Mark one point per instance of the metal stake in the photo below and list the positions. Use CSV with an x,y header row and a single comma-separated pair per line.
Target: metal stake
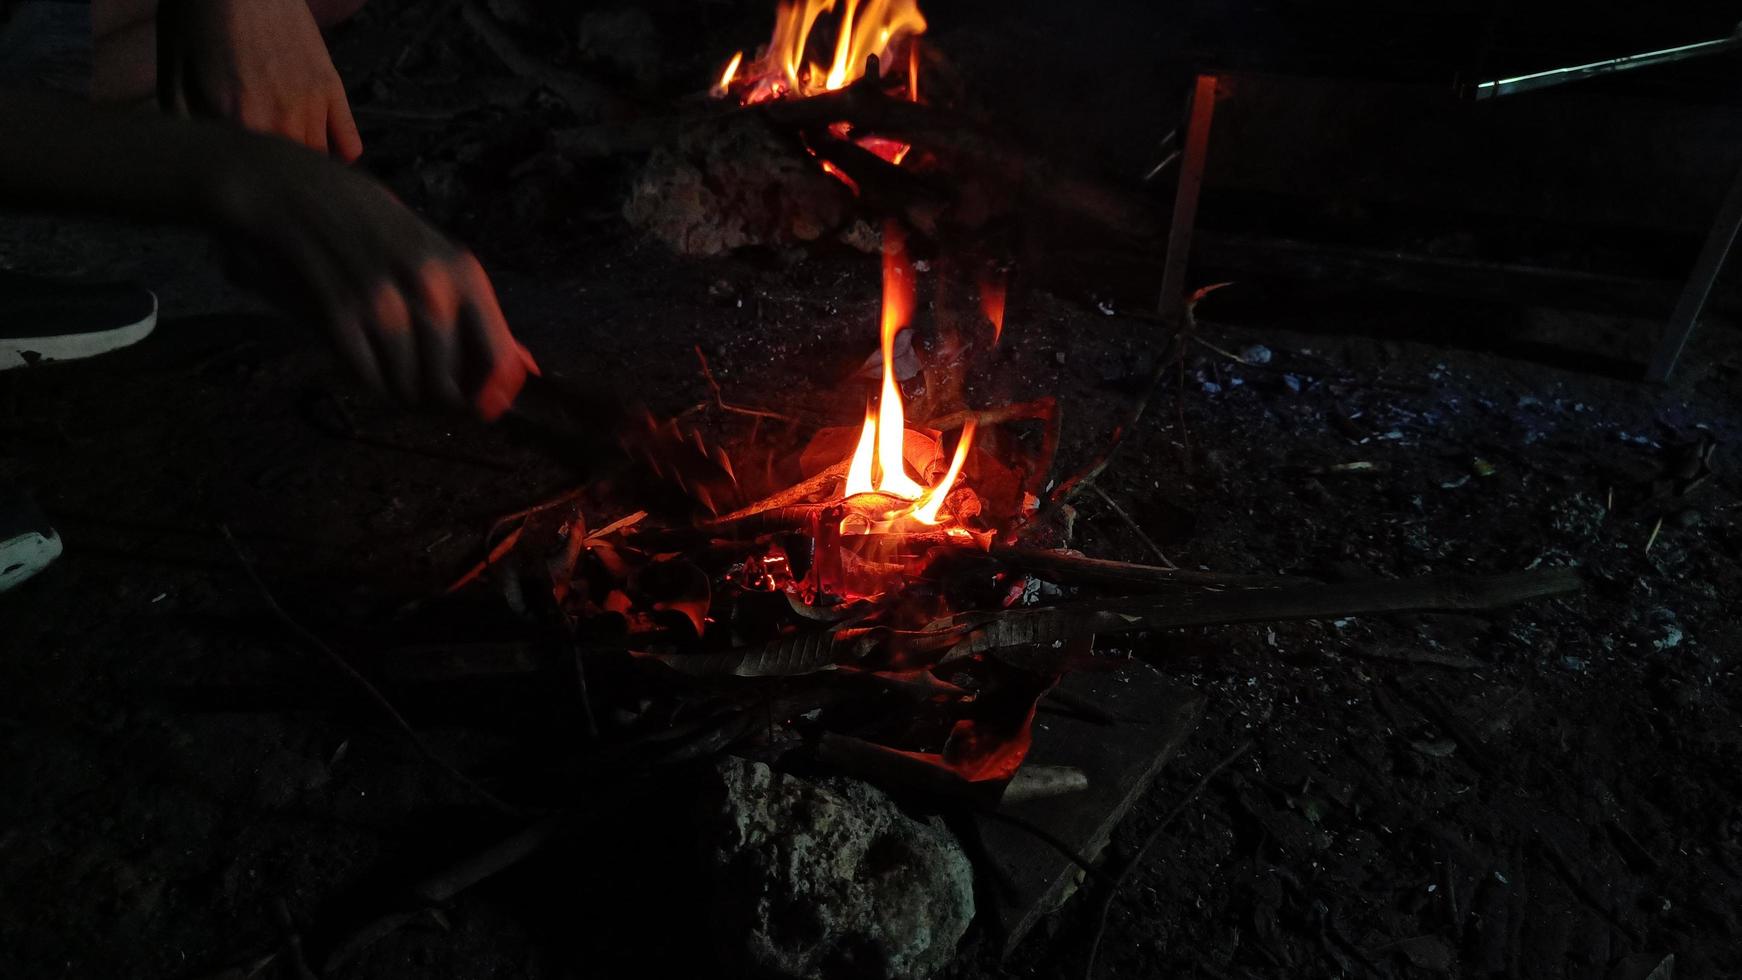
x,y
1185,199
1699,284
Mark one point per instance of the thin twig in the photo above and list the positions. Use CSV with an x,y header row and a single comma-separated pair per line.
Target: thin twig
x,y
1079,482
309,639
1155,835
1156,170
1174,353
1230,355
1136,528
726,406
292,940
582,692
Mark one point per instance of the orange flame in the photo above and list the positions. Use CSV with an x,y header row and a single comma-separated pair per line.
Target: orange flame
x,y
992,292
891,419
879,461
926,511
859,473
866,27
725,83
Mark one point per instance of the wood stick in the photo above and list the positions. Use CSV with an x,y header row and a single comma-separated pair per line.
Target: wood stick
x,y
1040,410
798,493
492,860
1067,568
989,155
1431,593
1136,528
1427,593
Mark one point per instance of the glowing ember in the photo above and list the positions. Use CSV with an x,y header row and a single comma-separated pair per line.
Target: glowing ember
x,y
784,68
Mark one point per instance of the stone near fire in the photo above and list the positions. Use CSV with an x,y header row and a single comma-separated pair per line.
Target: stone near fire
x,y
830,879
735,182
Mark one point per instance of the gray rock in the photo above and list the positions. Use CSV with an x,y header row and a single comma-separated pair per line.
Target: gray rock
x,y
735,182
830,879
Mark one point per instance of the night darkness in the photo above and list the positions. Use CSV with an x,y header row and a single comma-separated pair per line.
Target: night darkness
x,y
505,488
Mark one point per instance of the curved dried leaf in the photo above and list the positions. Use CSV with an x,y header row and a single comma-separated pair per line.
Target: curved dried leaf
x,y
803,653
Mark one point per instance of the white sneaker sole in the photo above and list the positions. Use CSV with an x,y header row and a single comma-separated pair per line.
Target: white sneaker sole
x,y
72,347
23,556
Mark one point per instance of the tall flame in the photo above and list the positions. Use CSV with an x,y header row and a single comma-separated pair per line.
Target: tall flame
x,y
926,511
891,419
879,461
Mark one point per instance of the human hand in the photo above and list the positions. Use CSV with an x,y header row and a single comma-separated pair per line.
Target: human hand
x,y
259,63
412,313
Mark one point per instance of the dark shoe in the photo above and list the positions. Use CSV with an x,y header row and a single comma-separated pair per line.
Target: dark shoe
x,y
28,543
55,320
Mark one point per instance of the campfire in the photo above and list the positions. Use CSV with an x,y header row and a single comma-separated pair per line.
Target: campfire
x,y
885,29
884,584
930,557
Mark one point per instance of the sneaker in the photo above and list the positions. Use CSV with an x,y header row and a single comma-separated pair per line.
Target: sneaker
x,y
55,320
28,543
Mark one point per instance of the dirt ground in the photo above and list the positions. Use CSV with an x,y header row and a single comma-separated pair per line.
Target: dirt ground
x,y
1547,792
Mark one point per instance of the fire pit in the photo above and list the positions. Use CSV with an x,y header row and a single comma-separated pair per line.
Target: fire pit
x,y
890,597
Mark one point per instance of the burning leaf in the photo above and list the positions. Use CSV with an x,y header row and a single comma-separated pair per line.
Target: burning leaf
x,y
676,586
615,526
685,461
978,753
826,614
496,554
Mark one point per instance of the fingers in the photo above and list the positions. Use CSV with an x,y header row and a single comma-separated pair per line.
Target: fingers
x,y
410,313
342,134
437,296
396,348
314,130
501,361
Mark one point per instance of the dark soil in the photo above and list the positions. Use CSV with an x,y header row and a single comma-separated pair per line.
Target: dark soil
x,y
1552,791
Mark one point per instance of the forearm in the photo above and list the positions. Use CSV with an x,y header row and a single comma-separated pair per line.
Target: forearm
x,y
68,155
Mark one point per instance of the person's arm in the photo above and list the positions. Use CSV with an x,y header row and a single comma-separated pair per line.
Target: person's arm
x,y
407,309
259,63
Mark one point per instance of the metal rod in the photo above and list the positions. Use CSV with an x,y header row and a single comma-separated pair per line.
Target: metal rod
x,y
1699,285
1597,69
1185,200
